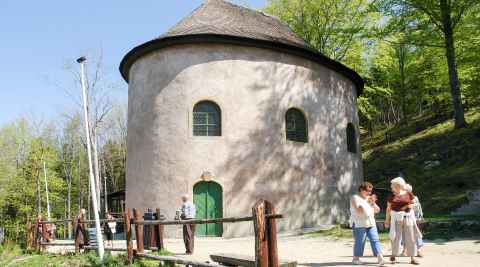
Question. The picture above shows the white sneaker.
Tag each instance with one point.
(381, 260)
(357, 262)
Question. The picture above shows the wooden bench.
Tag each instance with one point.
(243, 260)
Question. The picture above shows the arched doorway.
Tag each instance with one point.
(208, 200)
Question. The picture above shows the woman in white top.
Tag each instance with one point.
(363, 209)
(109, 229)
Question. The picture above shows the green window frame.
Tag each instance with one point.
(351, 138)
(207, 119)
(296, 126)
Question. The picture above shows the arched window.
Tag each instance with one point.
(351, 138)
(296, 126)
(207, 119)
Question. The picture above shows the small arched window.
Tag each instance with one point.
(296, 126)
(351, 138)
(207, 119)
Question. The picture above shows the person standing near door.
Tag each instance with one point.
(188, 213)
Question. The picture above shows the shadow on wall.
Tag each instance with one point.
(309, 182)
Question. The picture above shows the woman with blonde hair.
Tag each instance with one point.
(417, 214)
(400, 221)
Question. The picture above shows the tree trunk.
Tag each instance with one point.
(96, 165)
(79, 185)
(69, 205)
(89, 199)
(38, 197)
(105, 191)
(401, 56)
(452, 68)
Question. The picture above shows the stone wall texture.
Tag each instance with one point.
(309, 183)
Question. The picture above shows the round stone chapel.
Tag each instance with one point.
(230, 106)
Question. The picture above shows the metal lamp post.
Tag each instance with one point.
(93, 191)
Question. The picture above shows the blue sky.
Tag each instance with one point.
(37, 39)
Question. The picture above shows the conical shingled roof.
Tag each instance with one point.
(224, 18)
(218, 21)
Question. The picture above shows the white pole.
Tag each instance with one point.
(46, 189)
(89, 153)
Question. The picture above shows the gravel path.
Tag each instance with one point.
(323, 251)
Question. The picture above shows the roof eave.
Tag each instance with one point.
(307, 53)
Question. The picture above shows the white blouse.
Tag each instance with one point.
(365, 218)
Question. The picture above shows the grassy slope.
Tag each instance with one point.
(440, 189)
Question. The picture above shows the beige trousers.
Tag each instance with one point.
(408, 232)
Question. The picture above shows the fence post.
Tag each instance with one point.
(34, 242)
(271, 236)
(44, 235)
(65, 228)
(152, 242)
(29, 235)
(160, 232)
(138, 230)
(261, 242)
(128, 235)
(32, 235)
(35, 236)
(75, 236)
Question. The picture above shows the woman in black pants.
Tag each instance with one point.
(109, 229)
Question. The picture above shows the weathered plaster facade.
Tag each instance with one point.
(308, 182)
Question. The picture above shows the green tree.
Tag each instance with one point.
(443, 18)
(336, 28)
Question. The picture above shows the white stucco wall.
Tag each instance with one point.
(309, 183)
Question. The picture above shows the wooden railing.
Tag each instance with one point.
(36, 240)
(264, 223)
(263, 217)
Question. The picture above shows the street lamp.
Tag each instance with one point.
(82, 61)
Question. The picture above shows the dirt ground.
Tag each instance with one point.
(324, 251)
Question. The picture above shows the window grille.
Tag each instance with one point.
(296, 126)
(206, 119)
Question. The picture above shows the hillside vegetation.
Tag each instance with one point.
(441, 163)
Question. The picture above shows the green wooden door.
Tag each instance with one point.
(207, 197)
(200, 201)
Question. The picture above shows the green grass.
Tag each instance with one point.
(14, 256)
(452, 229)
(451, 218)
(341, 232)
(441, 189)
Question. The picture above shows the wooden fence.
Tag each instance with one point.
(263, 218)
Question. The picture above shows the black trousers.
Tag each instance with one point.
(189, 237)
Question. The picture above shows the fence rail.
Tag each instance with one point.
(206, 221)
(263, 218)
(82, 221)
(176, 260)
